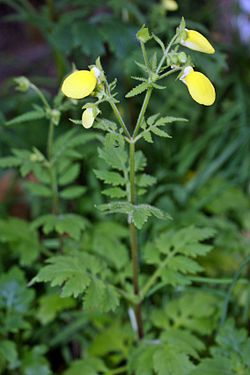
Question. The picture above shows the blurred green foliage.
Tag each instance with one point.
(202, 181)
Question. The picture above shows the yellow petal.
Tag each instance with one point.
(88, 117)
(199, 87)
(197, 42)
(79, 84)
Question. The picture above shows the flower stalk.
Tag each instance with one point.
(134, 244)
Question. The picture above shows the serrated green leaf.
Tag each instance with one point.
(114, 192)
(147, 136)
(122, 207)
(159, 132)
(26, 117)
(72, 192)
(9, 162)
(184, 265)
(113, 152)
(70, 224)
(139, 78)
(168, 120)
(108, 177)
(137, 90)
(141, 361)
(100, 297)
(105, 125)
(183, 341)
(138, 214)
(167, 361)
(145, 180)
(142, 212)
(174, 278)
(67, 272)
(151, 120)
(195, 312)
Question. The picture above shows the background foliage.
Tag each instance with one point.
(197, 314)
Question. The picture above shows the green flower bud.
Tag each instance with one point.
(143, 34)
(55, 116)
(23, 84)
(182, 57)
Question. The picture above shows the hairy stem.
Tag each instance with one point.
(144, 53)
(142, 112)
(119, 117)
(166, 53)
(55, 198)
(134, 245)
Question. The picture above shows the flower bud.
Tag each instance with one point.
(55, 116)
(23, 84)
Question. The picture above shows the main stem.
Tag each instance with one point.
(55, 199)
(134, 244)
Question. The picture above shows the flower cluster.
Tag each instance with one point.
(82, 83)
(199, 86)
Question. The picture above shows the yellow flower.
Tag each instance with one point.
(199, 86)
(79, 84)
(88, 117)
(197, 42)
(170, 5)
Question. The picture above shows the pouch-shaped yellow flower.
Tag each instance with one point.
(199, 86)
(79, 84)
(196, 41)
(88, 117)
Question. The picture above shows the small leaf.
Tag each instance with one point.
(157, 86)
(38, 189)
(65, 271)
(100, 297)
(72, 192)
(151, 120)
(50, 305)
(160, 133)
(114, 192)
(168, 119)
(137, 90)
(69, 175)
(9, 162)
(145, 180)
(167, 361)
(147, 136)
(108, 177)
(139, 78)
(70, 224)
(158, 40)
(25, 117)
